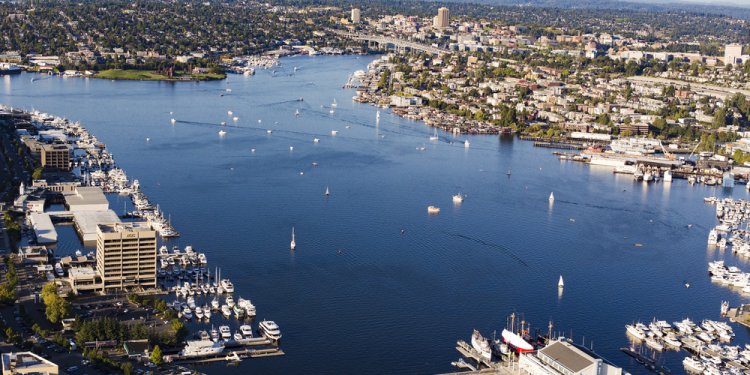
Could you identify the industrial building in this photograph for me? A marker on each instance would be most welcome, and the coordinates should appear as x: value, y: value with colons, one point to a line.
x: 126, y: 256
x: 86, y: 223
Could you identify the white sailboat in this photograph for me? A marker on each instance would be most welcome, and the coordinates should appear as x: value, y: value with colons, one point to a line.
x: 328, y: 192
x: 434, y: 137
x: 293, y: 244
x: 551, y: 197
x: 561, y: 284
x: 466, y: 144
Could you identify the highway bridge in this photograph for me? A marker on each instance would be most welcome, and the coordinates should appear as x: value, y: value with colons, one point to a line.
x: 385, y: 42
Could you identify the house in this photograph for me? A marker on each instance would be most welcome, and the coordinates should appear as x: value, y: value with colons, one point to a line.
x: 137, y: 348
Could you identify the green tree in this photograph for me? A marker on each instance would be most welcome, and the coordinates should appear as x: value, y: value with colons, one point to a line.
x: 156, y: 356
x: 56, y: 307
x: 37, y: 174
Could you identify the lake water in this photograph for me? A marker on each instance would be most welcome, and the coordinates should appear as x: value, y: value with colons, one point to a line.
x: 358, y: 295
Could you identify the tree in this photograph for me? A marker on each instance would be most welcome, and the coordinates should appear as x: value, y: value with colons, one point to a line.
x: 37, y: 174
x: 156, y: 356
x: 56, y: 307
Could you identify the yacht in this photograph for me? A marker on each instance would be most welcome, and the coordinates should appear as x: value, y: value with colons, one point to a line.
x: 693, y: 364
x: 191, y: 302
x: 247, y: 306
x: 458, y: 198
x: 226, y: 311
x: 433, y: 210
x: 187, y: 313
x: 672, y: 341
x: 227, y: 285
x: 653, y: 344
x: 230, y: 301
x: 713, y: 237
x: 201, y: 348
x: 215, y: 304
x: 635, y: 331
x: 270, y: 330
x: 292, y: 244
x: 246, y: 330
x: 225, y: 332
x: 237, y: 336
x: 206, y: 312
x: 481, y: 345
x: 239, y: 312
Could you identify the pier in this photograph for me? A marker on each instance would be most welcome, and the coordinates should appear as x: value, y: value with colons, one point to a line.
x: 483, y: 365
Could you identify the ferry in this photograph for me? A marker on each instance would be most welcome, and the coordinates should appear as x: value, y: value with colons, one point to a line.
x: 6, y: 68
x: 201, y: 348
x: 481, y: 345
x: 270, y: 329
x: 516, y: 342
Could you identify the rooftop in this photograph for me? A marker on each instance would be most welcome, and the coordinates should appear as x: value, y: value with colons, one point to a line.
x: 27, y: 362
x: 84, y: 195
x: 125, y: 227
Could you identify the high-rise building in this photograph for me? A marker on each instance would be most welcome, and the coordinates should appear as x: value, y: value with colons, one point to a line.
x: 56, y: 156
x: 356, y: 18
x: 442, y: 20
x: 126, y: 255
x: 732, y: 53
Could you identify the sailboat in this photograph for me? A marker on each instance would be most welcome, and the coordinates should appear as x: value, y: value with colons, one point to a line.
x: 293, y: 244
x: 296, y: 113
x: 466, y: 143
x: 377, y: 116
x: 551, y: 197
x: 434, y: 137
x: 334, y: 104
x: 560, y: 284
x: 328, y: 192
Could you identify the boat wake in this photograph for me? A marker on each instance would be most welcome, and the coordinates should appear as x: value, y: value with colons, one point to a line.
x: 502, y: 248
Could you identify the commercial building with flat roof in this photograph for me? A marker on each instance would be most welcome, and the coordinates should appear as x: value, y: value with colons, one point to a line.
x: 442, y: 20
x: 126, y: 255
x: 27, y: 363
x: 56, y: 156
x: 356, y: 18
x: 85, y: 198
x: 565, y: 358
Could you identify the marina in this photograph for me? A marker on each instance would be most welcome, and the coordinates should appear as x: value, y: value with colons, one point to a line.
x: 351, y: 254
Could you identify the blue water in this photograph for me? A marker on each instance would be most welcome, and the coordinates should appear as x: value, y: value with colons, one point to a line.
x: 357, y: 295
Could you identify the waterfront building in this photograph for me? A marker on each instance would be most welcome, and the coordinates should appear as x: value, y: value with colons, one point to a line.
x: 126, y: 255
x: 442, y: 20
x: 562, y: 357
x: 27, y: 363
x: 356, y: 18
x: 85, y: 198
x: 56, y: 156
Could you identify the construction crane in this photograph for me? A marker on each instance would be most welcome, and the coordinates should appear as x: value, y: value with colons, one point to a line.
x: 668, y: 155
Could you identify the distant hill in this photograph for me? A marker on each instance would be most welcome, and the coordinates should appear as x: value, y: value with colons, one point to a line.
x: 693, y: 6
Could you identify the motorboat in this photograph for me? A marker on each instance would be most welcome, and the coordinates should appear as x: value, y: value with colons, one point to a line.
x: 653, y: 344
x: 247, y: 330
x: 635, y: 331
x: 551, y: 197
x: 433, y: 210
x: 187, y: 313
x: 237, y: 336
x: 292, y: 244
x: 199, y: 312
x: 226, y: 311
x: 230, y: 301
x: 458, y: 198
x: 225, y: 332
x: 227, y: 285
x: 693, y: 365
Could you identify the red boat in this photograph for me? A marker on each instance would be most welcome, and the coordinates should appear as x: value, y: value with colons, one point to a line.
x: 516, y: 342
